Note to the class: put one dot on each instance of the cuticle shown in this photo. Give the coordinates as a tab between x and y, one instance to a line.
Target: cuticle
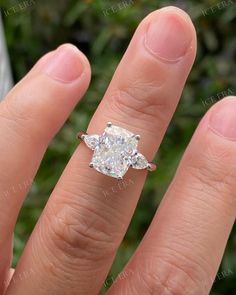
219	134
166	60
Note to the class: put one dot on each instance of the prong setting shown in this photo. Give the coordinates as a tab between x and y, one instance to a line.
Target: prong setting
135	152
151	167
81	135
115	151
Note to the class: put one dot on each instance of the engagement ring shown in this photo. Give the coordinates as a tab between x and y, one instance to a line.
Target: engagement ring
114	151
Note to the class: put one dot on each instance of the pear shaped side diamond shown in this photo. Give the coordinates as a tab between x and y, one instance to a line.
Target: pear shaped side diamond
138	161
91	141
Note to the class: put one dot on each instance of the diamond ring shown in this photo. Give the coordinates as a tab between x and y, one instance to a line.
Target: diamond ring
114	151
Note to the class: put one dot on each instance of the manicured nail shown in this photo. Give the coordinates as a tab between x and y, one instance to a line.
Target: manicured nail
169	36
223	118
65	65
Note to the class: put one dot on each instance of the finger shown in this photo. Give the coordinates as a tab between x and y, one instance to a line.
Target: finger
8	278
30	115
6	261
81	228
183	248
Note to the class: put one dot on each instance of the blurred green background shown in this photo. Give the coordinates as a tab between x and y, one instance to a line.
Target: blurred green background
103	33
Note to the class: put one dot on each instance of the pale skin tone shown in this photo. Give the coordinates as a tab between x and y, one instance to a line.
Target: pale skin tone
77	236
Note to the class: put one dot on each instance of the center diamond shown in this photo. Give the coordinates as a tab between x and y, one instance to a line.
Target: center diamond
113	151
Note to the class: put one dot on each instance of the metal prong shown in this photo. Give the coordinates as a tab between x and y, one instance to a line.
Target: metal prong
151	167
81	135
91	165
120	178
135	153
137	136
109	124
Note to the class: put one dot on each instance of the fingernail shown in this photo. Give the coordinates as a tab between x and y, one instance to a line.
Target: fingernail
223	118
169	36
65	65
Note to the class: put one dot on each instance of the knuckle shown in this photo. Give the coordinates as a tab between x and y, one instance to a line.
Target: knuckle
82	233
139	102
212	171
173	278
20	120
12	117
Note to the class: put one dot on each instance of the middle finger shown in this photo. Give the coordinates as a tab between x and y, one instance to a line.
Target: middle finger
82	227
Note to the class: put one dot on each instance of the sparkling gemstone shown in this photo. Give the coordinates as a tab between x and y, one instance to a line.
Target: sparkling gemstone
112	154
138	161
91	140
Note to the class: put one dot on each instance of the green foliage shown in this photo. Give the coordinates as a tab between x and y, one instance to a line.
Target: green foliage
104	38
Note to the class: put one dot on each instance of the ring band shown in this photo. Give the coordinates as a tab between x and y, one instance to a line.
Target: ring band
115	150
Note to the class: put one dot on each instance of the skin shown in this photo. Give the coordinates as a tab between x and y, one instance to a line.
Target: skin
77	236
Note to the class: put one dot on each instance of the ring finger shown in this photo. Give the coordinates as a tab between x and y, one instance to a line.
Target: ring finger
80	230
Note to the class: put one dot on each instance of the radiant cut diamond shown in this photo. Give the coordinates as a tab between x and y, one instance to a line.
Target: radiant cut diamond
115	151
112	154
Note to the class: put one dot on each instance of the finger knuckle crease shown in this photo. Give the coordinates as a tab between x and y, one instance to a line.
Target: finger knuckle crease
173	280
139	102
82	233
212	178
20	122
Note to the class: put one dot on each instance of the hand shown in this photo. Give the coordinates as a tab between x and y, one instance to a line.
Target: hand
76	239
